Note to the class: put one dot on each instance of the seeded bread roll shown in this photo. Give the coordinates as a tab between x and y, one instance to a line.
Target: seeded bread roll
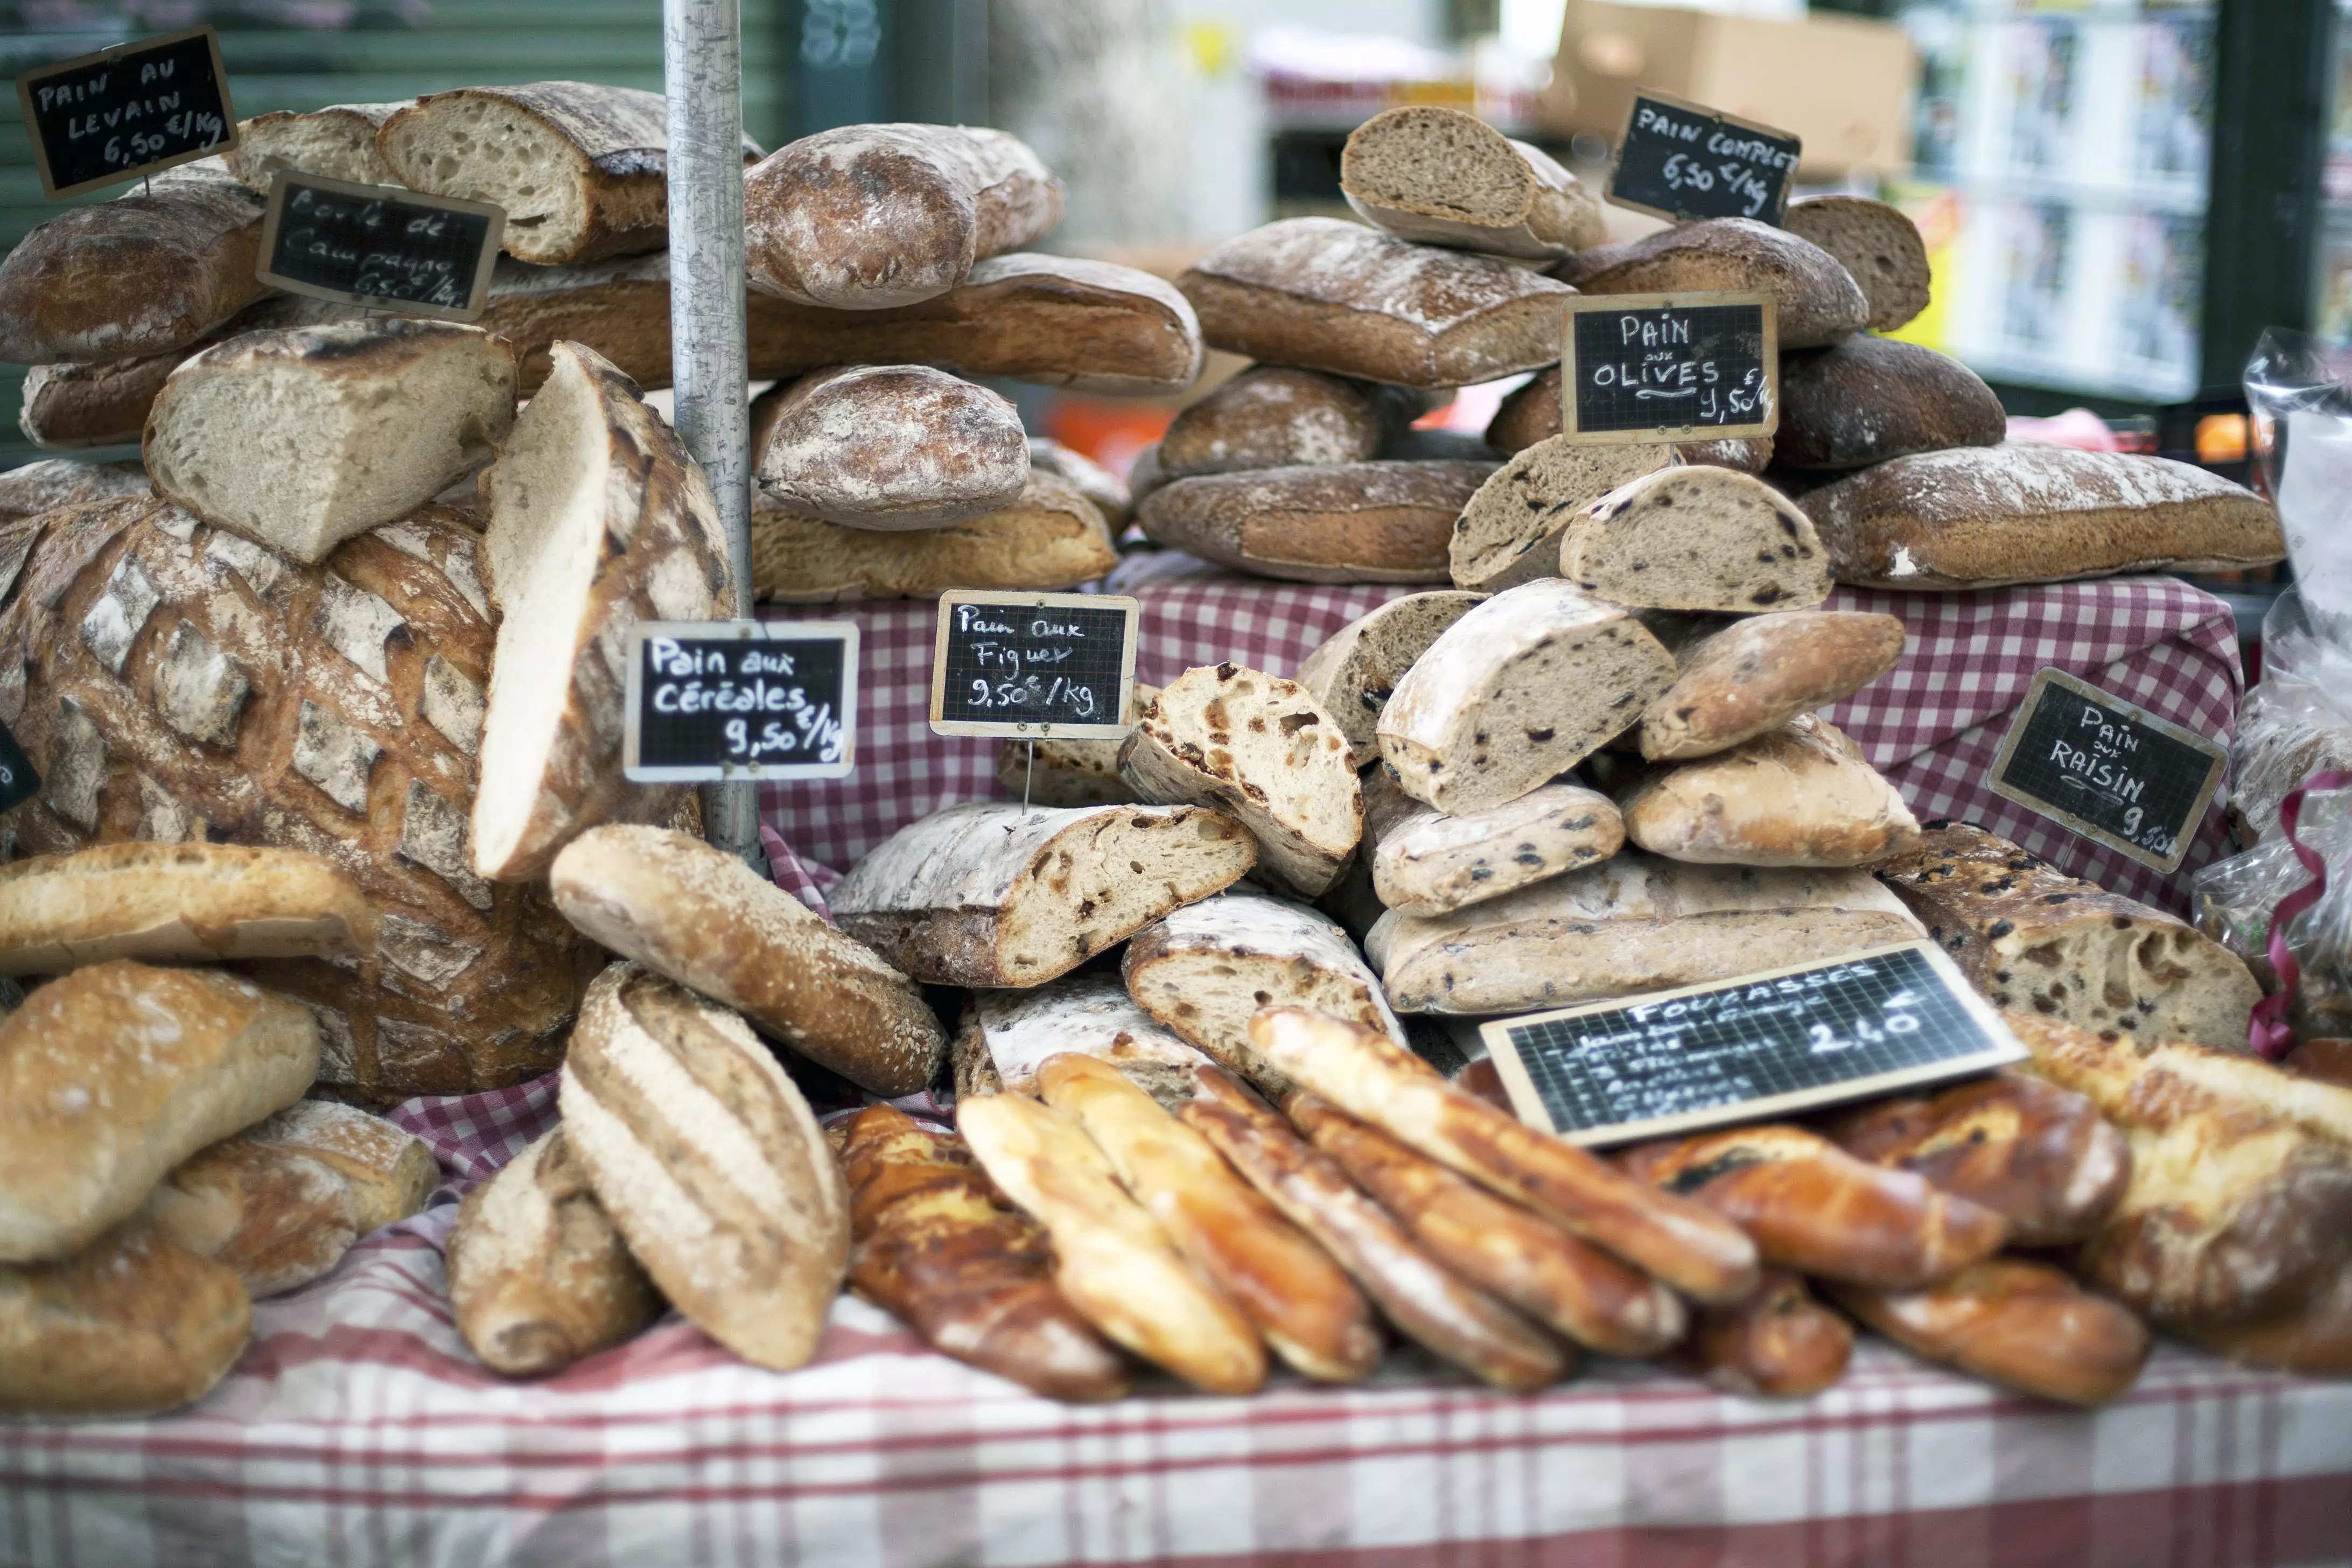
1878	246
278	1218
1521	689
53	483
1059	772
1445	177
1338	522
1819	302
1353	670
1049	538
889	447
1430	864
2031	937
1696	538
165	901
1509	533
1760	672
1532	413
338	142
1272	417
1802	794
389	1171
867	217
1331	295
131	1326
1866	400
1090	1013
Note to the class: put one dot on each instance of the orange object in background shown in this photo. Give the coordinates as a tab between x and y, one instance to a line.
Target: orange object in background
2221	438
1113	431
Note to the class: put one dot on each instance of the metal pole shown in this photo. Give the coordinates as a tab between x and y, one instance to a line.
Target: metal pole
702	70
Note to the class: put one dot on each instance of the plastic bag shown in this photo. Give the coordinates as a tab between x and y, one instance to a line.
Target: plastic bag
2233	900
2299	391
2296	721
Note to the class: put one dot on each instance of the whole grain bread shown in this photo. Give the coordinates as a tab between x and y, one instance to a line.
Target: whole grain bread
1427	863
1091	1014
132	1326
1444	177
338	142
1275	416
1819	302
1339	522
1509	530
1760	672
1696	537
1868	399
1050	538
889	446
160	902
1802	794
1879	247
1352	671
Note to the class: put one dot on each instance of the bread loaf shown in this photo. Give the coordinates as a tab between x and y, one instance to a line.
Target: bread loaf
278	1218
1089	478
598	520
389	1171
1777	1344
1061	772
867	216
1444	177
987	894
1868	399
131	1326
113	1075
1334	523
338	142
1050	538
1509	532
1802	794
2313	1337
1985	517
1517	691
1430	1305
1758	673
1091	1014
151	270
1877	245
2031	937
166	901
2312	1103
708	921
1275	416
1352	671
1330	295
53	483
889	447
2040	1157
1628	924
2022	1325
1818	302
973	1278
1696	538
1532	413
176	683
1203	969
709	1163
1430	864
538	1276
1112	1260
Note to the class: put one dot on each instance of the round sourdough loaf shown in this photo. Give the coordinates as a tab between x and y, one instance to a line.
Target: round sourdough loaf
889	446
1868	399
1819	302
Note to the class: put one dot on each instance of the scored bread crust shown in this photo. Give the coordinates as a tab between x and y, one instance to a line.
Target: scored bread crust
1879	247
1091	1014
188	902
1464	184
1696	537
985	894
1818	302
889	446
280	1218
1426	864
711	1166
1777	1343
1049	538
1274	416
389	1171
2021	1324
1802	794
338	142
1761	671
1352	671
53	482
1867	400
1382	522
702	917
131	1326
1509	529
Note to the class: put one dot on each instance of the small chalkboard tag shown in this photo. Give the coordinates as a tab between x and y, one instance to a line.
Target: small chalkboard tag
1683	161
136	108
1032	665
740	699
383	247
1670	367
1758	1047
2115	773
18	782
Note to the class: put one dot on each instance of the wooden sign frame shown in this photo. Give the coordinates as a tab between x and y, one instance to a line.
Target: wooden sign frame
1633	109
1593	304
742	631
2217	759
478	295
30	81
1024	729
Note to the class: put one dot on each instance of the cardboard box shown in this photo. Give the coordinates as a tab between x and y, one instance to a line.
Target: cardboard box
1845	84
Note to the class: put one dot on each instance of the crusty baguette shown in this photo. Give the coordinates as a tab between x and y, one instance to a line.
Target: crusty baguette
1112	1260
1444	177
1430	1305
887	446
1777	1344
538	1276
1556	1278
1818	302
189	901
389	1171
2023	1325
1049	538
280	1219
1426	864
1288	1287
1802	794
973	1277
1091	1014
700	916
1691	1249
1352	671
1761	671
130	1325
710	1163
113	1075
338	142
53	482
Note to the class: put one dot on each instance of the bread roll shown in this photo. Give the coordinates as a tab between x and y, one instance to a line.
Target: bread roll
889	446
389	1171
338	142
1868	399
1089	1014
1429	864
53	482
1819	302
1352	671
1050	538
1509	530
1762	671
278	1218
165	901
1776	1343
2022	1325
130	1326
1276	417
1879	247
1337	522
1444	177
1696	538
1802	794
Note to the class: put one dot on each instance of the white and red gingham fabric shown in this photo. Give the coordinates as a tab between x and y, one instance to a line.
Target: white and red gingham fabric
1932	726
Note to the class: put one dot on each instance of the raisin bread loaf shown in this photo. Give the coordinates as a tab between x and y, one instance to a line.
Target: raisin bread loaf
1756	674
1353	670
1426	863
1696	537
1802	794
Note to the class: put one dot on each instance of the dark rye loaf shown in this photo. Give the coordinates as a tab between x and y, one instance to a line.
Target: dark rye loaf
1866	400
1532	414
1820	301
1341	522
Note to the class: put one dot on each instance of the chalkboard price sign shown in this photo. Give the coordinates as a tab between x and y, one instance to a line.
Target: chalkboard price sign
2115	773
379	246
740	699
18	782
1685	162
1032	665
1670	367
1749	1049
136	108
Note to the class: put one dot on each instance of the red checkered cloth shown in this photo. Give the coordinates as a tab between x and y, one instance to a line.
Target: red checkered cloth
1932	726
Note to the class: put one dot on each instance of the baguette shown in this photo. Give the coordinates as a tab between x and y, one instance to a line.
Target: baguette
1819	302
1333	522
1867	400
1879	247
1761	671
1275	416
973	1277
338	142
1802	794
389	1171
130	1326
1443	177
53	483
1288	1287
1352	672
2022	1325
1427	864
1687	1246
159	902
1049	538
1777	1344
278	1218
1696	537
889	446
1089	1014
1509	530
1112	1260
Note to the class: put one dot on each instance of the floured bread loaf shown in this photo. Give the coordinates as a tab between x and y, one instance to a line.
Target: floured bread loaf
132	1326
1059	772
2031	938
1760	672
1092	1015
1332	295
1050	538
598	520
1430	864
304	438
1509	532
53	482
1265	751
1517	691
165	901
1091	479
1337	522
1202	969
389	1171
1445	177
1276	417
1802	794
1354	670
986	894
710	1163
1629	924
1696	538
702	917
538	1276
1819	303
867	217
280	1219
338	142
1868	399
1879	247
1532	413
889	446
